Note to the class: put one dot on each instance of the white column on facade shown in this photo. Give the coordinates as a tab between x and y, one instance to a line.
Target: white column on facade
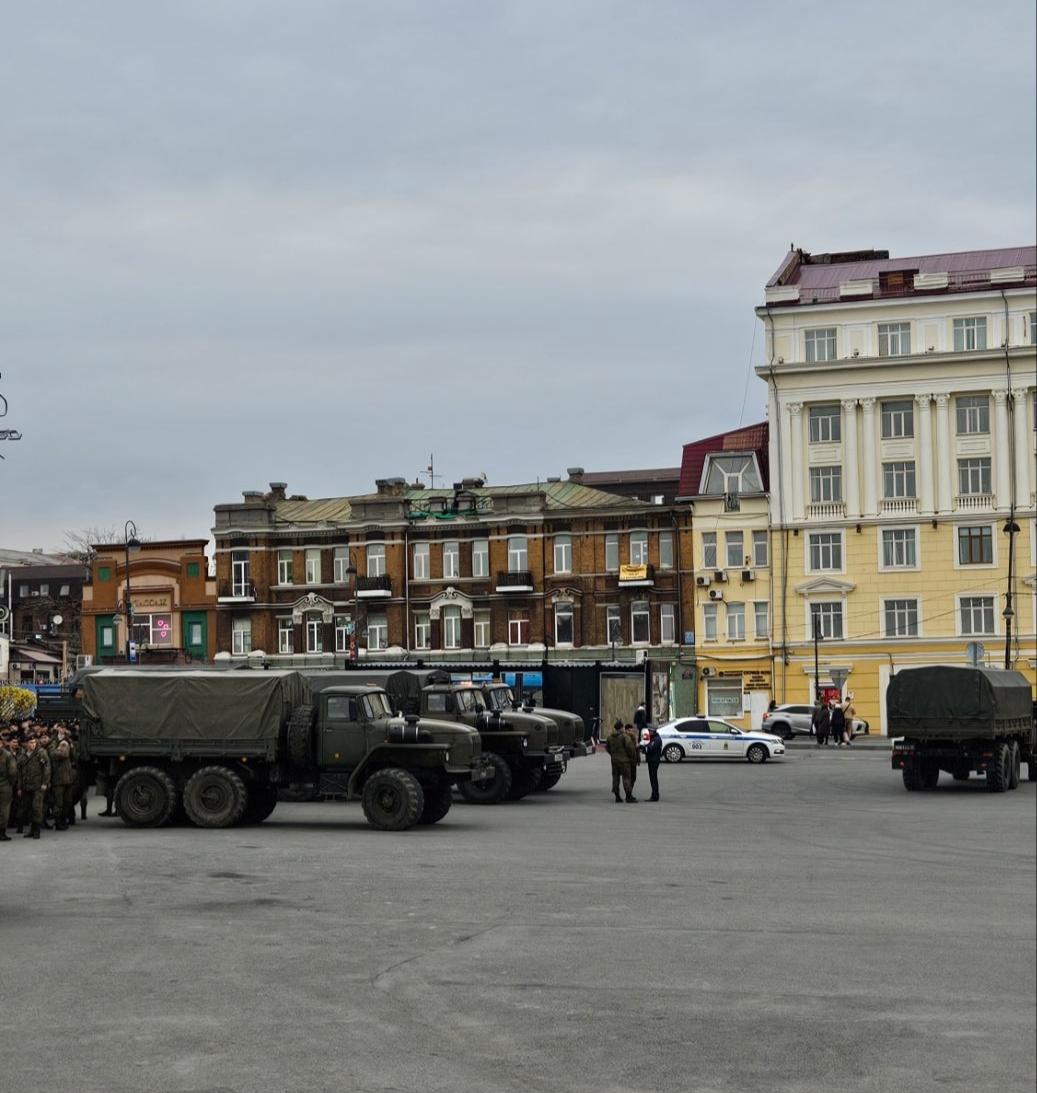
870	458
944	455
796	468
1023	457
853	498
924	470
1002	449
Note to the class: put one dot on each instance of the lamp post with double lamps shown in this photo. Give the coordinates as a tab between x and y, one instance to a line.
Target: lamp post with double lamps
132	544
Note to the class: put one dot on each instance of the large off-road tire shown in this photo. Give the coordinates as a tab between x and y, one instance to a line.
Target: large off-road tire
495	790
1014	763
549	781
524	781
299	740
393	799
997	769
145	797
912	778
262	800
215	797
438	800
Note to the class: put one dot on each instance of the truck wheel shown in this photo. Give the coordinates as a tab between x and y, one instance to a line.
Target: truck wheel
495	790
757	753
997	770
524	781
214	797
549	781
145	797
1014	763
912	778
300	738
393	799
782	729
262	800
438	800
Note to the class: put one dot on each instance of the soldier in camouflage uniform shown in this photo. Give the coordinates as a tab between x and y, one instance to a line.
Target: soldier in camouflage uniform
35	780
623	752
61	780
8	787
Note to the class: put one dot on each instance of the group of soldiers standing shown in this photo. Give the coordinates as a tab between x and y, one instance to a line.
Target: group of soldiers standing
625	750
39	779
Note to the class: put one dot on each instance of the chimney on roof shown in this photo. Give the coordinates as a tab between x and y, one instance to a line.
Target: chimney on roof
554	478
37	550
278	491
391	487
575	474
252	495
473	483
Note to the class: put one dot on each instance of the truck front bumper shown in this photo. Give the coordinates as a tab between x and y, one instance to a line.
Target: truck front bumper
578	751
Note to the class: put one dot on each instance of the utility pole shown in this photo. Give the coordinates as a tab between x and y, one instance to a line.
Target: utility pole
1011	530
817	669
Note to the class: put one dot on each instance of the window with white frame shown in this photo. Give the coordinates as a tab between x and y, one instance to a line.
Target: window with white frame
894	339
451	620
422	630
563	552
480	558
830	615
976	545
826	551
1033	328
825	424
481	629
420	563
314	634
899	548
974	475
518	553
709	622
724	698
377	632
63	590
640	627
563	623
44	589
340	565
820	345
611	553
239	570
313	567
762	619
977	615
898	479
375	561
451	559
898	419
735	545
241	636
901	618
518	626
973	414
285	567
666	550
639	548
761	549
736	622
285	635
153	629
732	474
613	625
826	485
667	624
341	633
970	334
709	550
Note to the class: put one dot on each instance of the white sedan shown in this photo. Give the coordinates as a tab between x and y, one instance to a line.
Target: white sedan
714	738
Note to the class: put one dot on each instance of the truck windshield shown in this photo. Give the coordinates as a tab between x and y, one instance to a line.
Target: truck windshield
376	706
499	698
471	701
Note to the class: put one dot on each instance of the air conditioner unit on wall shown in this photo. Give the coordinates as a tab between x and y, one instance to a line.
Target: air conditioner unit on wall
748	575
702	582
719	576
84	660
716	593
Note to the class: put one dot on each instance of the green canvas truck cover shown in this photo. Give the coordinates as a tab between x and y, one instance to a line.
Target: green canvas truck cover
949	701
190	705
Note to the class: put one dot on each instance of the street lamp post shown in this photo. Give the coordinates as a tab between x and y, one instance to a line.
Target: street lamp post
353	652
132	543
817	670
1011	530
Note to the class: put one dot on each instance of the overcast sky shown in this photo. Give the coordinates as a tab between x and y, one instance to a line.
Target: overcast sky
313	242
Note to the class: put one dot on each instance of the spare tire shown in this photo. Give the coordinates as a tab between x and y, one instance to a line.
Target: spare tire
299	742
215	797
145	797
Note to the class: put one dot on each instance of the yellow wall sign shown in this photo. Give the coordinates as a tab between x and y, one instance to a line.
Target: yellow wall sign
633	572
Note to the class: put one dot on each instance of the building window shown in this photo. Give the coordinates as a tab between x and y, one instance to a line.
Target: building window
64	589
341	633
826	484
377	632
736	622
420	570
107	638
194	635
898	419
977	615
973	414
452	559
194	569
613	625
481	629
422	630
974	476
23	591
894	339
830	615
375	561
340	573
820	345
1033	328
761	619
640	625
153	629
241	636
666	550
611	553
451	619
639	548
709	550
313	567
667	624
563	554
518	626
761	552
724	698
239	573
480	558
825	425
518	553
826	551
709	622
285	635
563	624
284	567
44	589
898	479
732	474
901	617
104	573
970	334
976	545
734	543
314	634
899	548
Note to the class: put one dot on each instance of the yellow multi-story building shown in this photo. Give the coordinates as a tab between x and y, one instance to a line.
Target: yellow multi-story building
902	466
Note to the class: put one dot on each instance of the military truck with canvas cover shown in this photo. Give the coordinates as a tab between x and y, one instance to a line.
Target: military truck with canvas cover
221	744
961	720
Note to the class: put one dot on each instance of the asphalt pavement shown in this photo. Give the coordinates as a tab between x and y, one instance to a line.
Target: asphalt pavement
805	925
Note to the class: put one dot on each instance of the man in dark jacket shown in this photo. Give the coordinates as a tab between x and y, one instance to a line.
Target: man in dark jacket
837	724
640	718
623	753
821	723
653	757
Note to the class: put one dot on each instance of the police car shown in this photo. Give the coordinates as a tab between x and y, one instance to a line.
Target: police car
714	738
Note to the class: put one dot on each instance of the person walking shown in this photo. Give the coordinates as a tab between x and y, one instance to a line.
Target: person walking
653	757
821	721
838	724
640	718
623	754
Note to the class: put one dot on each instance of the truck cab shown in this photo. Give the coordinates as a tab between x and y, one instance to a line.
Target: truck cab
499	696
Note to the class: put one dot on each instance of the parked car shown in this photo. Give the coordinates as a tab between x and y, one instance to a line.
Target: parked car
790	720
714	738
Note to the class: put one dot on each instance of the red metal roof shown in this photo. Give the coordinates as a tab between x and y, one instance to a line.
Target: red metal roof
750	438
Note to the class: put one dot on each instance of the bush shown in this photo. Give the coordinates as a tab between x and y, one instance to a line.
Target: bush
16	703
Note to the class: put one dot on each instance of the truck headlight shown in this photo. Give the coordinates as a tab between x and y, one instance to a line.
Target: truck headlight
525	742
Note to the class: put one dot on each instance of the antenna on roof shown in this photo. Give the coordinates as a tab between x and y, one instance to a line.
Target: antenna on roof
430	470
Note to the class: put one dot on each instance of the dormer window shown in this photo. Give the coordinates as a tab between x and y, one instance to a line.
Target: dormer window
437	504
732	474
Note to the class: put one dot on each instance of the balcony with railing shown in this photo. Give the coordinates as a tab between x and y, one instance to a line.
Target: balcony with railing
974	502
826	510
514	580
374	588
236	592
899	506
